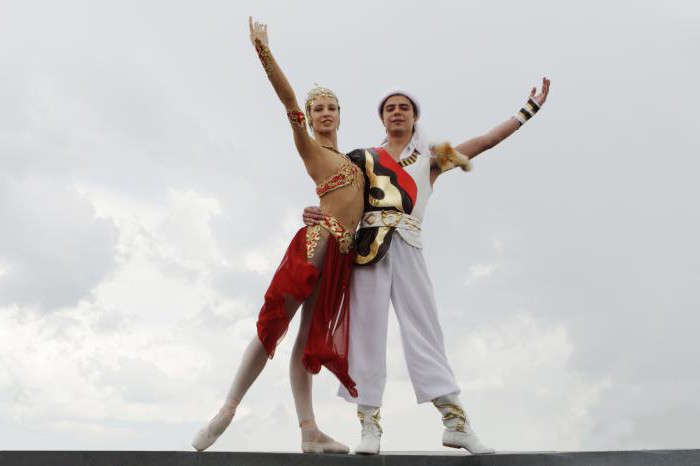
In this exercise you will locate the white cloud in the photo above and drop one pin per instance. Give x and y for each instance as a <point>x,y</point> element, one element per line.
<point>480,271</point>
<point>521,386</point>
<point>498,246</point>
<point>55,248</point>
<point>140,344</point>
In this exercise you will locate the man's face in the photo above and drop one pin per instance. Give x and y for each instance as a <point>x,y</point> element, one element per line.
<point>398,116</point>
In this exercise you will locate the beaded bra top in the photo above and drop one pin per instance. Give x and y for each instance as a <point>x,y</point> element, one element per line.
<point>347,174</point>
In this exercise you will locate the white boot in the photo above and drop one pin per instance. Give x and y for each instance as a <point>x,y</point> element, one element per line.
<point>371,430</point>
<point>458,433</point>
<point>209,433</point>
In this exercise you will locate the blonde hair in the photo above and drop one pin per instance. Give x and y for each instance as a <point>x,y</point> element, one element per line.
<point>316,92</point>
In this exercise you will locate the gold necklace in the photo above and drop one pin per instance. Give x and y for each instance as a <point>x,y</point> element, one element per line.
<point>333,149</point>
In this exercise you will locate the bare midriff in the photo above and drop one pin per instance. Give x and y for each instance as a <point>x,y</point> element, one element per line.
<point>341,193</point>
<point>346,205</point>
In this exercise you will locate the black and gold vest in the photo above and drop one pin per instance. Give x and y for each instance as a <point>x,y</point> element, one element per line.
<point>387,188</point>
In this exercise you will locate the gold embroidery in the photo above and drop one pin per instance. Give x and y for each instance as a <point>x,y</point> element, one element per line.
<point>347,174</point>
<point>391,218</point>
<point>264,55</point>
<point>453,412</point>
<point>296,118</point>
<point>341,234</point>
<point>335,228</point>
<point>313,234</point>
<point>392,195</point>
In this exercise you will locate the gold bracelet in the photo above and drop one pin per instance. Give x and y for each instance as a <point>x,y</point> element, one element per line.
<point>297,118</point>
<point>528,111</point>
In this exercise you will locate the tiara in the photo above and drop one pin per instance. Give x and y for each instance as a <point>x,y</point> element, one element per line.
<point>316,92</point>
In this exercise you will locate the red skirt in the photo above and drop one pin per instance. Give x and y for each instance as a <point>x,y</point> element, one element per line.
<point>327,343</point>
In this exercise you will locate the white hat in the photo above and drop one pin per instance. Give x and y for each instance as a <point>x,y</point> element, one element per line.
<point>419,141</point>
<point>399,91</point>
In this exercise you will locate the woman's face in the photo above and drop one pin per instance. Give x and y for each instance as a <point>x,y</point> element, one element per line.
<point>325,114</point>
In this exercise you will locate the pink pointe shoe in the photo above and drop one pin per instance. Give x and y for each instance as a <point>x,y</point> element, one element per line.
<point>315,441</point>
<point>211,432</point>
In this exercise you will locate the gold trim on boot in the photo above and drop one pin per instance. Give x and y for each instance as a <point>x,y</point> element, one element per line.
<point>452,412</point>
<point>371,432</point>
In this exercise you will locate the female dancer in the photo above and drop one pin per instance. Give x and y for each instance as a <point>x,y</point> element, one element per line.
<point>315,270</point>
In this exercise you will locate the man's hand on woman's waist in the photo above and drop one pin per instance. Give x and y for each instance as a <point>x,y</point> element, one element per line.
<point>312,216</point>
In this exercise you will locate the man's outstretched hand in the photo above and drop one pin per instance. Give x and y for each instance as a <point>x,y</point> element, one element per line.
<point>540,98</point>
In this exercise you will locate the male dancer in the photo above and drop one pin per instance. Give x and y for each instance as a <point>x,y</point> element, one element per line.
<point>398,182</point>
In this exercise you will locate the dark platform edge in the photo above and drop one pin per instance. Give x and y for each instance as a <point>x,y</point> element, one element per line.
<point>181,458</point>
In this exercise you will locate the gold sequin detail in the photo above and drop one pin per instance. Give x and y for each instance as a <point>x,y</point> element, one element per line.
<point>317,92</point>
<point>296,118</point>
<point>341,234</point>
<point>313,235</point>
<point>335,228</point>
<point>347,174</point>
<point>264,55</point>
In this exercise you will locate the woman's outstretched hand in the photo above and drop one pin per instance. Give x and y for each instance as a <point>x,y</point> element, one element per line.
<point>542,96</point>
<point>258,31</point>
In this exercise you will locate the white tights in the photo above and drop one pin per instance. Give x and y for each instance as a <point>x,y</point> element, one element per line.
<point>255,358</point>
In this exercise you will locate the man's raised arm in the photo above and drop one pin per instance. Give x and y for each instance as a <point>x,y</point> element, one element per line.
<point>493,137</point>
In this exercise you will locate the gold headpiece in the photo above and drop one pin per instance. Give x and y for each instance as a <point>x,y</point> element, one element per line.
<point>316,92</point>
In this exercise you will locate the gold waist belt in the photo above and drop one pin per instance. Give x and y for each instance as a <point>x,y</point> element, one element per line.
<point>335,228</point>
<point>391,218</point>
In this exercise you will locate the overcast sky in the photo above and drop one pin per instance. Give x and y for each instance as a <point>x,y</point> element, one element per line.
<point>149,186</point>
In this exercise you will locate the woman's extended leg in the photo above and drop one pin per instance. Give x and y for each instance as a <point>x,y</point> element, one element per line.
<point>252,363</point>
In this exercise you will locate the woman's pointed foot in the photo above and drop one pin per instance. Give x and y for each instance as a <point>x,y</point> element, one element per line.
<point>315,441</point>
<point>208,434</point>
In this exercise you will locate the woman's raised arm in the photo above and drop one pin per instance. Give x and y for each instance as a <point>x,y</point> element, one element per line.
<point>304,143</point>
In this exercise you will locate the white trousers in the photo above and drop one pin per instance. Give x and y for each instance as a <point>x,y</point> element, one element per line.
<point>401,277</point>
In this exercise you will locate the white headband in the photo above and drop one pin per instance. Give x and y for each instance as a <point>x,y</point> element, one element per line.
<point>419,141</point>
<point>399,91</point>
